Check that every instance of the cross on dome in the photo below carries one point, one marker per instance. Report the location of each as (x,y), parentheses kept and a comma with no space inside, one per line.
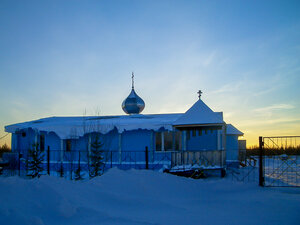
(133,104)
(132,80)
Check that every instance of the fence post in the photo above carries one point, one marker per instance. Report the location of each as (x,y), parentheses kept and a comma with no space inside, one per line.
(48,160)
(261,170)
(146,158)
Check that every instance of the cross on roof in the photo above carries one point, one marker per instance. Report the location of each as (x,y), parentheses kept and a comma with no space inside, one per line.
(199,93)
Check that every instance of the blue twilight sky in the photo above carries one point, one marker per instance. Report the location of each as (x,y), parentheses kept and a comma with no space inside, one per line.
(64,57)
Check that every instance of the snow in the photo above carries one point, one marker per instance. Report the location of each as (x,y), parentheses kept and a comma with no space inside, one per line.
(144,197)
(192,167)
(75,127)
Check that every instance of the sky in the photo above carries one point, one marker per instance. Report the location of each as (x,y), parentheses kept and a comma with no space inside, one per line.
(74,58)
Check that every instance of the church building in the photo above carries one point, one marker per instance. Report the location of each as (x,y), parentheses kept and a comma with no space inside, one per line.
(199,129)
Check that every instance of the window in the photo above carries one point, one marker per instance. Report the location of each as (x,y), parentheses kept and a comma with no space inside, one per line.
(158,141)
(42,142)
(23,134)
(168,141)
(68,145)
(177,140)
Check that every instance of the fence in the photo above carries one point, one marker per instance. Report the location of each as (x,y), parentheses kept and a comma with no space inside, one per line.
(248,169)
(275,163)
(68,163)
(279,161)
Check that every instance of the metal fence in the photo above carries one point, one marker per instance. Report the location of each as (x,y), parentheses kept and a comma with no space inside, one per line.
(275,163)
(247,171)
(68,163)
(280,161)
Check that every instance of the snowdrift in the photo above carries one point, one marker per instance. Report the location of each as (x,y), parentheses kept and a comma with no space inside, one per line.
(144,197)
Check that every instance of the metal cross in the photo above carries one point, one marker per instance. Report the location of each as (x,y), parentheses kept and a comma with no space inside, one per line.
(132,77)
(199,93)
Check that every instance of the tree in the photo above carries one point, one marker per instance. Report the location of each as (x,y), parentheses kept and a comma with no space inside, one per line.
(34,161)
(97,158)
(4,148)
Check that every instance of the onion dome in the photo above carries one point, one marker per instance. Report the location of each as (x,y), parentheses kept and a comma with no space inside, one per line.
(133,104)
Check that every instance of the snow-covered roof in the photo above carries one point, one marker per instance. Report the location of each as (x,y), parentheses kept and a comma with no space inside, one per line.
(199,113)
(232,130)
(66,127)
(74,127)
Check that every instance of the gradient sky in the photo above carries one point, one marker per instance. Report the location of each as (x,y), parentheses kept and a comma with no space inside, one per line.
(61,58)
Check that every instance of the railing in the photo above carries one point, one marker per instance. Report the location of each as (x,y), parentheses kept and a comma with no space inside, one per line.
(205,158)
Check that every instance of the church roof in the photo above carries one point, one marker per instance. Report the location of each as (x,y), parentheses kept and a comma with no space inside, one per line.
(74,127)
(198,114)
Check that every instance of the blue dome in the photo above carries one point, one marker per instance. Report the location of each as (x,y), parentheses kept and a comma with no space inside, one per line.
(133,104)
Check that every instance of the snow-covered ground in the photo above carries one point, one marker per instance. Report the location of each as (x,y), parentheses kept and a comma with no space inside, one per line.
(144,197)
